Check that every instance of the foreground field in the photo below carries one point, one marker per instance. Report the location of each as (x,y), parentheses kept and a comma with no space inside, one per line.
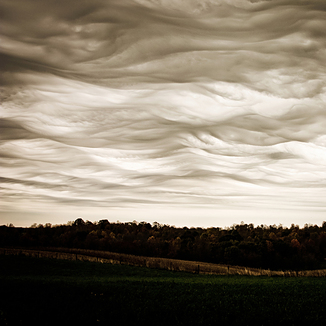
(52,292)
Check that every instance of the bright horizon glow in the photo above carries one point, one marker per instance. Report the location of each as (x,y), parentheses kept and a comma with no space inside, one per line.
(173,217)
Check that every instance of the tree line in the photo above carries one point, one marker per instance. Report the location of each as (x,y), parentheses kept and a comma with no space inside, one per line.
(274,247)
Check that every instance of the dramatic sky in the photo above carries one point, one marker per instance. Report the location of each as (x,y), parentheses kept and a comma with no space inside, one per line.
(184,112)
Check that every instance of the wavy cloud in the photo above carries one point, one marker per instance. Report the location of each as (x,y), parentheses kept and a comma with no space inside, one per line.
(208,105)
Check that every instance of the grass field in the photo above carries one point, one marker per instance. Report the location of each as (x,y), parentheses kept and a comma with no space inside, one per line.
(57,292)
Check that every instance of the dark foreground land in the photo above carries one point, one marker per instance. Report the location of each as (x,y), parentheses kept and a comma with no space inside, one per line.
(56,292)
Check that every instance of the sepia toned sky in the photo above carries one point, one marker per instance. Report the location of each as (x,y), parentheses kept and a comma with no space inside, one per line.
(185,112)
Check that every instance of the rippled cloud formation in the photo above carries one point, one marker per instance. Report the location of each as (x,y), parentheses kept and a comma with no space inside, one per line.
(163,105)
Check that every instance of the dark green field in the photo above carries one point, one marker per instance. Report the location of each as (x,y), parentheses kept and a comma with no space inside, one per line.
(54,292)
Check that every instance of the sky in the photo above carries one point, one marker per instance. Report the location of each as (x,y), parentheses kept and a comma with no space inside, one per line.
(184,112)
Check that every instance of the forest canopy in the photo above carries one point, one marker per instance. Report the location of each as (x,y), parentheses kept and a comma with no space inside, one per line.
(274,247)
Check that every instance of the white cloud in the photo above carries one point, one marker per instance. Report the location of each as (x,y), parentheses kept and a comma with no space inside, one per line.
(142,104)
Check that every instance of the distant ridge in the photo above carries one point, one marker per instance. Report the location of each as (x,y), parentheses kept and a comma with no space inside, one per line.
(155,262)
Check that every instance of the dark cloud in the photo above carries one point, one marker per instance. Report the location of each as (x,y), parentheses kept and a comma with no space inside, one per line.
(170,42)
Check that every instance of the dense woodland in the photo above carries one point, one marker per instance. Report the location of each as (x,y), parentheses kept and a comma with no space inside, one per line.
(274,247)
